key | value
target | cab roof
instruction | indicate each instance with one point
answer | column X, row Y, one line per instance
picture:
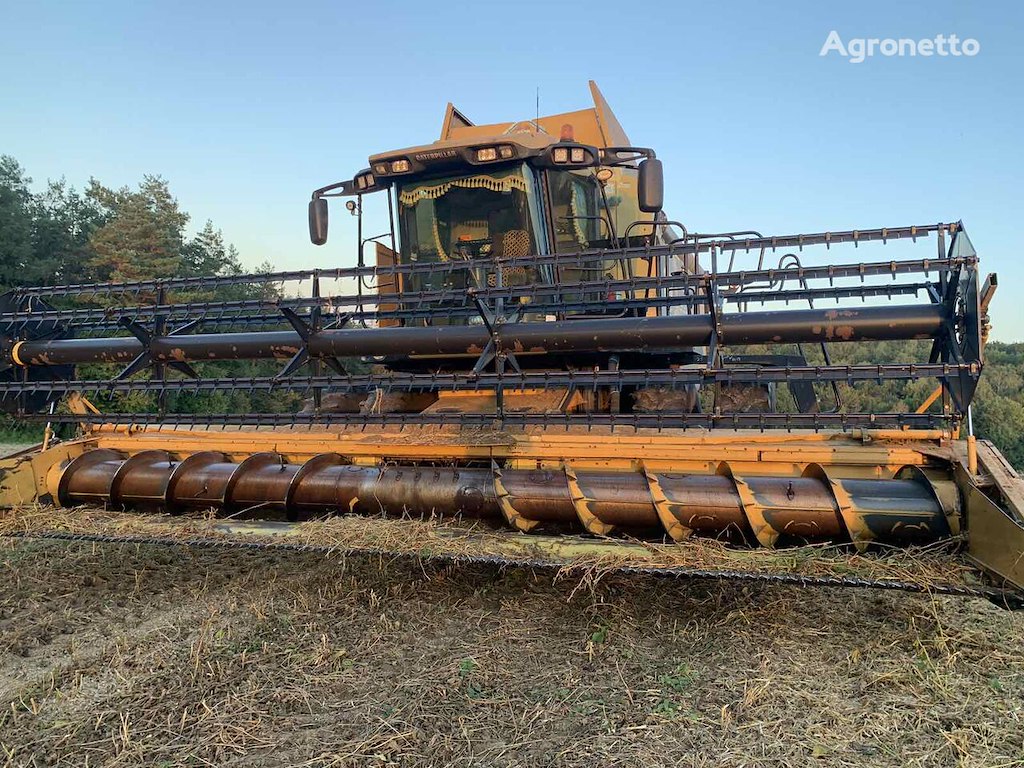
column 596, row 126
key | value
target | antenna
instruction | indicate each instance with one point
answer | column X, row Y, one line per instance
column 536, row 122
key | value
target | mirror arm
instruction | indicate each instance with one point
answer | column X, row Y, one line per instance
column 610, row 155
column 322, row 192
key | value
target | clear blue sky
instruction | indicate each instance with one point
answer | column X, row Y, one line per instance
column 246, row 107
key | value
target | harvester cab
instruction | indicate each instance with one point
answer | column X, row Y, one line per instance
column 537, row 367
column 495, row 193
column 491, row 196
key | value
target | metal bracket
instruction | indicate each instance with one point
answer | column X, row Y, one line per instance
column 494, row 321
column 306, row 332
column 145, row 358
column 715, row 307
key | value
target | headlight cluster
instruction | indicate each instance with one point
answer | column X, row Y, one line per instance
column 572, row 155
column 365, row 181
column 388, row 167
column 491, row 154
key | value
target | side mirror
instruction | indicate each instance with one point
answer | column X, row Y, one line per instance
column 651, row 186
column 318, row 220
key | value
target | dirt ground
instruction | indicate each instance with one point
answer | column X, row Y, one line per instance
column 6, row 449
column 158, row 656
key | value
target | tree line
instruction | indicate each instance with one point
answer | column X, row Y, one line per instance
column 64, row 235
column 998, row 405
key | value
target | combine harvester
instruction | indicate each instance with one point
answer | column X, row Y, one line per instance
column 545, row 367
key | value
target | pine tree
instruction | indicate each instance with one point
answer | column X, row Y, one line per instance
column 143, row 235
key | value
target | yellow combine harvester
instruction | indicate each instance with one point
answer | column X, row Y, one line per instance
column 536, row 346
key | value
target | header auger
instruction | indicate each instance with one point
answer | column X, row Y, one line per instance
column 538, row 347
